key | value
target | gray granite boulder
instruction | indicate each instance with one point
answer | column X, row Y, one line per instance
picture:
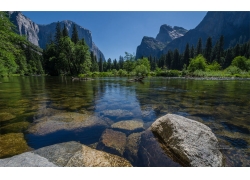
column 128, row 126
column 187, row 141
column 68, row 154
column 117, row 113
column 28, row 159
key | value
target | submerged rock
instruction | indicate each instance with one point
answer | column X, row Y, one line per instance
column 189, row 142
column 118, row 113
column 151, row 154
column 15, row 127
column 132, row 146
column 5, row 116
column 128, row 126
column 113, row 142
column 69, row 154
column 27, row 159
column 65, row 121
column 12, row 144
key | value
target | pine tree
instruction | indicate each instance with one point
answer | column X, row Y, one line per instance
column 192, row 52
column 220, row 50
column 100, row 64
column 109, row 64
column 65, row 31
column 74, row 37
column 186, row 55
column 58, row 34
column 176, row 60
column 115, row 64
column 199, row 47
column 169, row 59
column 208, row 50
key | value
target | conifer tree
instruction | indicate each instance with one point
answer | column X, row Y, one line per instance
column 186, row 55
column 192, row 52
column 58, row 34
column 65, row 31
column 74, row 37
column 208, row 49
column 199, row 47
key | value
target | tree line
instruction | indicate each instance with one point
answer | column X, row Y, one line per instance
column 212, row 53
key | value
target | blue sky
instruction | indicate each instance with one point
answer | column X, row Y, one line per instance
column 115, row 32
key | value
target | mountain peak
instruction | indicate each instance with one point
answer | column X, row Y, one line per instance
column 168, row 33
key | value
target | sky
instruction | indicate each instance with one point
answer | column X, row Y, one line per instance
column 115, row 32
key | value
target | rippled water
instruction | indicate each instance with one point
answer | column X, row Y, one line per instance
column 40, row 111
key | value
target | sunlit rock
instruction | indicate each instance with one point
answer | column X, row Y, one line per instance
column 27, row 159
column 189, row 142
column 113, row 142
column 12, row 144
column 128, row 126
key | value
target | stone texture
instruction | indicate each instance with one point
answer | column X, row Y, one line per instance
column 59, row 154
column 132, row 146
column 189, row 142
column 70, row 154
column 151, row 153
column 27, row 159
column 117, row 113
column 12, row 144
column 64, row 121
column 89, row 157
column 113, row 142
column 127, row 126
column 15, row 127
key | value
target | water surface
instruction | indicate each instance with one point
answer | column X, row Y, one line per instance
column 29, row 104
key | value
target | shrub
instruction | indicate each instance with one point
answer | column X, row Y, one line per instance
column 170, row 73
column 233, row 70
column 241, row 62
column 197, row 63
column 214, row 66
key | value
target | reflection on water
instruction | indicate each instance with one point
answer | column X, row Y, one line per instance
column 47, row 110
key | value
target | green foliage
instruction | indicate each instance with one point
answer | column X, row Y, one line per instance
column 241, row 62
column 122, row 72
column 17, row 55
column 141, row 70
column 233, row 70
column 214, row 66
column 170, row 73
column 197, row 63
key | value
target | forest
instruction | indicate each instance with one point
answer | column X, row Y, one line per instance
column 70, row 56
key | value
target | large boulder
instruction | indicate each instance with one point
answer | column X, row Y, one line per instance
column 117, row 114
column 187, row 141
column 27, row 159
column 68, row 154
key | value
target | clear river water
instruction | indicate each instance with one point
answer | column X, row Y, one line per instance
column 39, row 111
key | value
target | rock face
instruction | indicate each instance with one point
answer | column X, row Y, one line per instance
column 188, row 142
column 168, row 33
column 39, row 35
column 153, row 46
column 113, row 142
column 69, row 154
column 234, row 26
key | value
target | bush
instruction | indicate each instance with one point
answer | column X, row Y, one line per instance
column 170, row 73
column 233, row 70
column 241, row 62
column 215, row 66
column 197, row 63
column 122, row 72
column 141, row 70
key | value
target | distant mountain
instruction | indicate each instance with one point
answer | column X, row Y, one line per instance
column 39, row 35
column 234, row 26
column 154, row 46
